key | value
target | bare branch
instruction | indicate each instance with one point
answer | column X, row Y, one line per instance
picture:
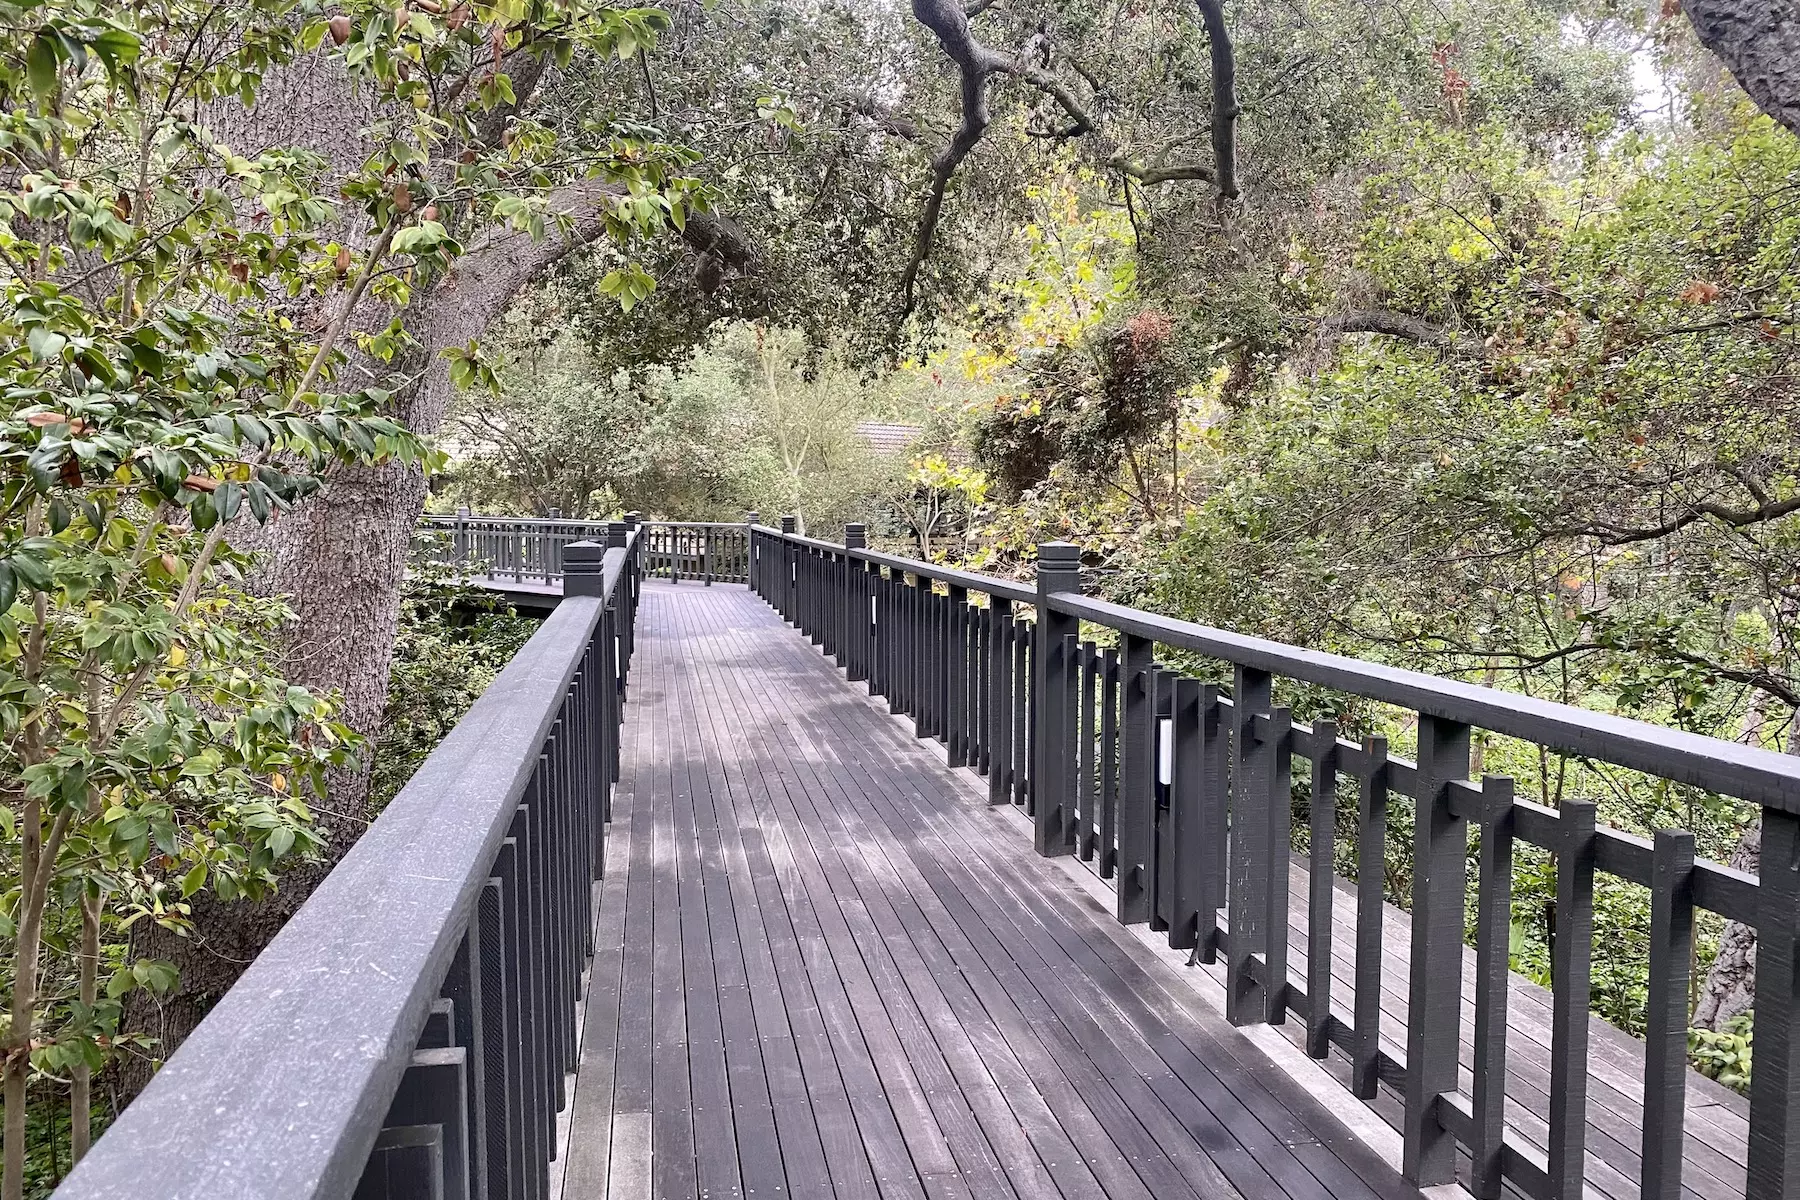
column 1149, row 176
column 1400, row 325
column 975, row 63
column 1737, row 518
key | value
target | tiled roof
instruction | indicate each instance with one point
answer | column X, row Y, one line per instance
column 887, row 439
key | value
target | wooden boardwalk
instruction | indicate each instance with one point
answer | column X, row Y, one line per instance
column 825, row 968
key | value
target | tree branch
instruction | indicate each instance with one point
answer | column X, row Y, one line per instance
column 974, row 63
column 483, row 280
column 1737, row 518
column 1151, row 176
column 1400, row 325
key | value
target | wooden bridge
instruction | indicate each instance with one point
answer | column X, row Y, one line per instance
column 844, row 884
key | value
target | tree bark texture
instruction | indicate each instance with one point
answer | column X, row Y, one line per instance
column 1759, row 41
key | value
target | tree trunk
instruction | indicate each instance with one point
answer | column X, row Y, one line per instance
column 1759, row 42
column 1730, row 986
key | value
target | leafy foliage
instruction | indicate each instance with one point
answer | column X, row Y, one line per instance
column 453, row 640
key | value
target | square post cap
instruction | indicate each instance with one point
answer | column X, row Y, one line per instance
column 1058, row 567
column 463, row 511
column 788, row 524
column 633, row 519
column 615, row 533
column 855, row 536
column 584, row 569
column 753, row 518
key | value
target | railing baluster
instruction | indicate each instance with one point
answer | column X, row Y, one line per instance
column 1001, row 699
column 1371, row 876
column 1280, row 784
column 981, row 625
column 1215, row 757
column 462, row 987
column 1774, row 1168
column 1246, row 995
column 1162, row 838
column 499, row 1015
column 1109, row 762
column 956, row 664
column 1570, row 963
column 1320, row 894
column 1021, row 712
column 1666, row 1013
column 1187, row 814
column 1084, row 760
column 522, row 1018
column 1137, row 779
column 1493, row 946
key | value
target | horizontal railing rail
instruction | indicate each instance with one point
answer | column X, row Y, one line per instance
column 1180, row 790
column 408, row 1031
column 529, row 550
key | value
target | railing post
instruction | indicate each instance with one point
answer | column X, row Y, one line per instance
column 584, row 567
column 1058, row 570
column 751, row 520
column 1434, row 1005
column 1774, row 1109
column 856, row 604
column 459, row 541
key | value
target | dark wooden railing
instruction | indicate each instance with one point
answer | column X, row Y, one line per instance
column 1180, row 791
column 529, row 550
column 409, row 1031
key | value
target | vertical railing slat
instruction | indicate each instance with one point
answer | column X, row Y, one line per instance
column 1570, row 964
column 1321, row 894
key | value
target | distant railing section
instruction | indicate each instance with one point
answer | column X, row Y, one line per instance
column 1180, row 790
column 529, row 550
column 408, row 1033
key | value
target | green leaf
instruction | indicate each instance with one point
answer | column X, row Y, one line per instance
column 194, row 880
column 226, row 499
column 41, row 64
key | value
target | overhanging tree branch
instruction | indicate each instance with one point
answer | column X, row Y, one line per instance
column 975, row 64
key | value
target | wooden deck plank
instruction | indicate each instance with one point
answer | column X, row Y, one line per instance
column 1280, row 1142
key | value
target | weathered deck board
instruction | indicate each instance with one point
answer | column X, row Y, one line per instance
column 825, row 968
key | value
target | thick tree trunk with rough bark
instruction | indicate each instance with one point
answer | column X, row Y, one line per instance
column 1730, row 986
column 1759, row 40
